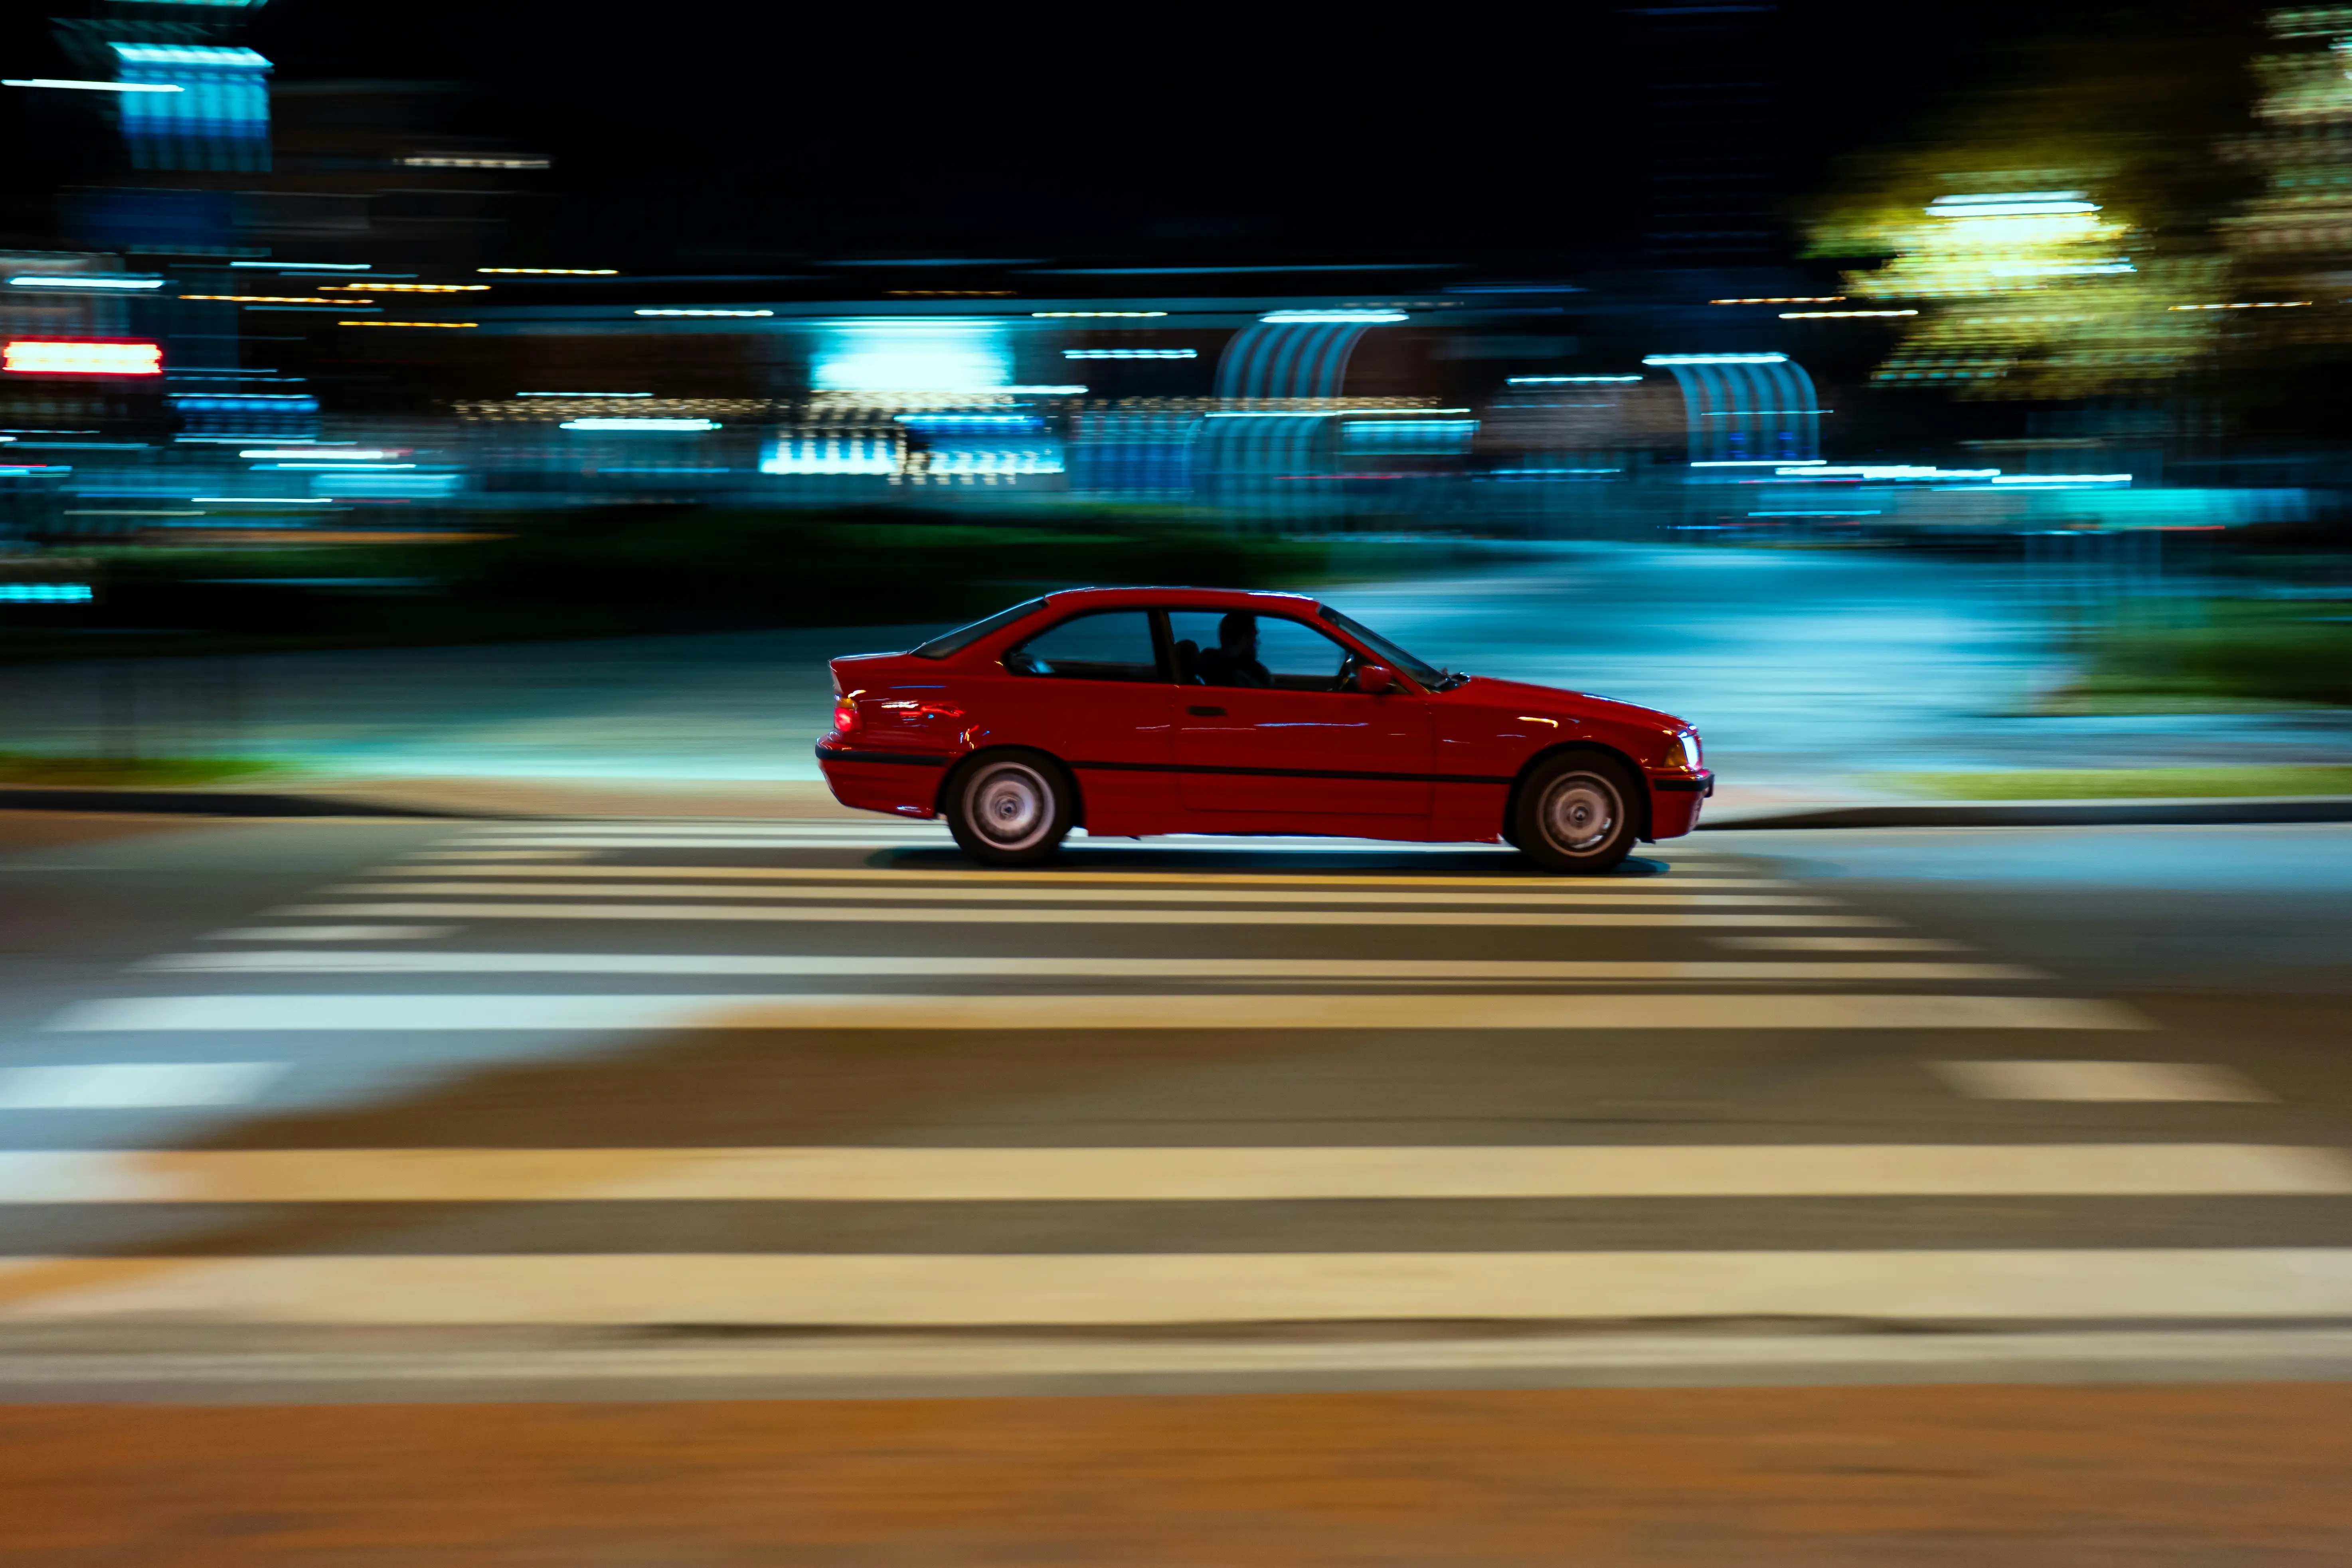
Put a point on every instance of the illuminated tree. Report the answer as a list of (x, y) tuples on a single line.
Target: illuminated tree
[(2077, 260), (2025, 286), (2293, 241)]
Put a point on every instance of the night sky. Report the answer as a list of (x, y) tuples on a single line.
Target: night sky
[(718, 135)]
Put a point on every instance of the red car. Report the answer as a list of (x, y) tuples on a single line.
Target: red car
[(1137, 711)]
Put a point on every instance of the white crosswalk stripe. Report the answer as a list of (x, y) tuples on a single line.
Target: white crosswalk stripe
[(1363, 971), (1013, 893), (856, 1010), (957, 914), (1156, 887), (1153, 1175), (1116, 950), (1142, 1289)]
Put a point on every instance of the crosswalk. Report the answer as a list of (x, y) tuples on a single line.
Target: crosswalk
[(828, 1076)]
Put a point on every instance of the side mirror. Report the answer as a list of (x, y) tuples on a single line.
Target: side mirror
[(1374, 679)]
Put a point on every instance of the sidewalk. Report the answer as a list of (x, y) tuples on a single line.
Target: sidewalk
[(1839, 1478), (1815, 678)]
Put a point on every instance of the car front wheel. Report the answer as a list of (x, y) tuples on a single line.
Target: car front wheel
[(1010, 808), (1576, 814)]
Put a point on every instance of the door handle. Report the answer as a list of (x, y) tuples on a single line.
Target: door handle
[(1206, 713)]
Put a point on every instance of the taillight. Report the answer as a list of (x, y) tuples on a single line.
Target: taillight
[(844, 715)]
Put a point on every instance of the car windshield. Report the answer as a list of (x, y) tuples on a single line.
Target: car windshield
[(963, 637), (1425, 673)]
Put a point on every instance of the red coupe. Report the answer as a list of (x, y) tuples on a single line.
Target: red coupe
[(1137, 711)]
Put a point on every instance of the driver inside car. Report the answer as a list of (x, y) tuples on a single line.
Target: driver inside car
[(1234, 661)]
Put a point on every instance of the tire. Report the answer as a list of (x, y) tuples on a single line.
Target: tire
[(1576, 814), (1010, 808)]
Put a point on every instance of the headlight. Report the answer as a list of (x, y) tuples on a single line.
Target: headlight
[(1683, 752)]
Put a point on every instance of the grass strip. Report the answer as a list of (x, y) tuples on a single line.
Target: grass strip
[(2128, 783), (55, 772)]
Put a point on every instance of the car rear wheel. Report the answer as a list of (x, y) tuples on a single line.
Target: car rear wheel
[(1010, 808), (1576, 814)]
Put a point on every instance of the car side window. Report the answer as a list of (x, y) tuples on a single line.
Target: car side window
[(1240, 649), (1108, 645)]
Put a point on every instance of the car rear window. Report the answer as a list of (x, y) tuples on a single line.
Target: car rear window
[(963, 637)]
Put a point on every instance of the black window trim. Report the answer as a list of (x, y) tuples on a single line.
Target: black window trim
[(971, 633)]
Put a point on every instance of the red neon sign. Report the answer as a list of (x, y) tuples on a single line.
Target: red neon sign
[(34, 357)]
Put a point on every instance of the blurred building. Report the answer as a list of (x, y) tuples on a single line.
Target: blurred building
[(312, 310), (1713, 134)]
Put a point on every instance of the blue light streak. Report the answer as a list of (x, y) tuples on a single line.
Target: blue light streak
[(67, 280), (90, 86), (619, 422)]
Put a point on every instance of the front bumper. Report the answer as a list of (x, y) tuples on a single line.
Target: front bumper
[(1674, 802)]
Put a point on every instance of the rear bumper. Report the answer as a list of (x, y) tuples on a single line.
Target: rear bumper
[(904, 784), (1674, 802)]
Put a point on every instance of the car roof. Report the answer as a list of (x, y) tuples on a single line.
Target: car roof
[(1186, 599)]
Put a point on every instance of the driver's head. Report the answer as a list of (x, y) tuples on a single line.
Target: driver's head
[(1237, 633)]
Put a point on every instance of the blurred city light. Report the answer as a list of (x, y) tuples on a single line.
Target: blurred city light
[(31, 356), (2014, 204), (835, 454), (80, 280), (930, 355), (279, 299), (1365, 316), (92, 86), (650, 423), (220, 119), (477, 163), (317, 451)]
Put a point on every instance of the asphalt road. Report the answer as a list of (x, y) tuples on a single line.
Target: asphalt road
[(315, 1112)]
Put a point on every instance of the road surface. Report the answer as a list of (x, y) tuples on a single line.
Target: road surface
[(674, 1191)]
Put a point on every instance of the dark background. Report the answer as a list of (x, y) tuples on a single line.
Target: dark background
[(716, 134)]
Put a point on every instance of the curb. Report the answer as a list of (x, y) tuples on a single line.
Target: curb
[(211, 803), (2185, 813)]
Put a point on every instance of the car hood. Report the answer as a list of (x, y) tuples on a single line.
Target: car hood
[(1550, 701)]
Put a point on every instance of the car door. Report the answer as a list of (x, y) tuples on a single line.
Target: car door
[(1091, 690), (1305, 742)]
